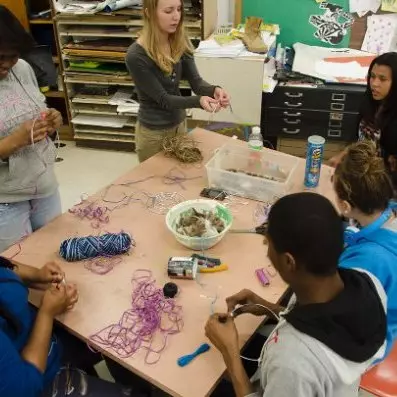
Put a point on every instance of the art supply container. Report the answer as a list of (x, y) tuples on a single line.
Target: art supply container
[(314, 159), (231, 169)]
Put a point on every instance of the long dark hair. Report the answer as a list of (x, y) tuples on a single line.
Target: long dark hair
[(13, 37), (370, 108)]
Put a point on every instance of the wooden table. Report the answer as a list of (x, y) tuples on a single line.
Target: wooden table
[(104, 298)]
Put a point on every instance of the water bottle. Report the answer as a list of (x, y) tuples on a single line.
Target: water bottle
[(255, 140)]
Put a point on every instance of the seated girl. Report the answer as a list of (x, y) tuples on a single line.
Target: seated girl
[(364, 193)]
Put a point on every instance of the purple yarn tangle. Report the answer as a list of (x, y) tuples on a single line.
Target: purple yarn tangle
[(148, 323)]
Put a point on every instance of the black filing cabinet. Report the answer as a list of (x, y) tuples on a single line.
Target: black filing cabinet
[(297, 112)]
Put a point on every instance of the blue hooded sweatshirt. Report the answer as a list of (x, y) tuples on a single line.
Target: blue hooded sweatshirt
[(19, 378), (376, 253)]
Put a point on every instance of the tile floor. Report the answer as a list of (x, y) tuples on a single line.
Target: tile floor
[(88, 170)]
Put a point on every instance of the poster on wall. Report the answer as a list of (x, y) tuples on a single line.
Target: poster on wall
[(333, 24), (293, 19), (389, 5)]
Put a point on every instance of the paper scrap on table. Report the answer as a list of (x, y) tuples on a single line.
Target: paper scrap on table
[(389, 5), (101, 121), (381, 35), (362, 7)]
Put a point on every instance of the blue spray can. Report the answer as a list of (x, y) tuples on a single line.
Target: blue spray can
[(314, 159)]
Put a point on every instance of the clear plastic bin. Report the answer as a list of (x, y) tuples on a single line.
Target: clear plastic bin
[(260, 175)]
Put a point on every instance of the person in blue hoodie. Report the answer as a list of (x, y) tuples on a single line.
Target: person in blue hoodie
[(365, 196), (32, 350)]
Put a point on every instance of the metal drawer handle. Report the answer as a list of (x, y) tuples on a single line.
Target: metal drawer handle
[(297, 114), (292, 121), (293, 105), (337, 106), (294, 132), (334, 133), (338, 97), (297, 95)]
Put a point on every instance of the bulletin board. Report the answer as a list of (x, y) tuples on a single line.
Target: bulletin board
[(293, 18)]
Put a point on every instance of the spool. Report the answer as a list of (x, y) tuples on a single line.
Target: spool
[(170, 290)]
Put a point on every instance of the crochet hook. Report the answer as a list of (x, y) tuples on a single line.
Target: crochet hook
[(185, 360)]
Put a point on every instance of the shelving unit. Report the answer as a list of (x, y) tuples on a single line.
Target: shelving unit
[(103, 40), (44, 32)]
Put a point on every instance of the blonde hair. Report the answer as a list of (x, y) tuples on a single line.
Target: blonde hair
[(179, 41), (362, 180)]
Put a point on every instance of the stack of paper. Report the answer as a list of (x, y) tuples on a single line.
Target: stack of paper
[(211, 48), (92, 7), (381, 35), (124, 102), (101, 121), (75, 7), (343, 65)]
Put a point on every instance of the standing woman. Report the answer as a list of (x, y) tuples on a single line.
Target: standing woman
[(157, 61), (29, 196), (378, 114)]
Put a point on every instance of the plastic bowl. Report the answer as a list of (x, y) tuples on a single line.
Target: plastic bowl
[(198, 243)]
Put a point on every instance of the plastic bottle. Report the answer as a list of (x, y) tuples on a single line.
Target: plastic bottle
[(255, 140)]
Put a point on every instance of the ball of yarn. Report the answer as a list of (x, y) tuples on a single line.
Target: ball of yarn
[(109, 244)]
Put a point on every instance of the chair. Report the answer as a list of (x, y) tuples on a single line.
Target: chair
[(382, 379)]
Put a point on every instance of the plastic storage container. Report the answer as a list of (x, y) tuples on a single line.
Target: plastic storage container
[(264, 178)]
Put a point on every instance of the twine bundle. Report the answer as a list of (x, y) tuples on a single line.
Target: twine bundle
[(182, 148)]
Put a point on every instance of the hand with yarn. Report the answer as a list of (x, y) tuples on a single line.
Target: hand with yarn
[(50, 273), (31, 129), (244, 297), (223, 335), (222, 97), (54, 118), (58, 299), (209, 104)]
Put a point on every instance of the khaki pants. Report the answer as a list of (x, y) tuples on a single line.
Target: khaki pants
[(149, 142)]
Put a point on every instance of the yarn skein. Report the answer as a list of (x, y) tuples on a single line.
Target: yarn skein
[(109, 244)]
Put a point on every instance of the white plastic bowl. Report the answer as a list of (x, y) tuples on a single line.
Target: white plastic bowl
[(198, 243)]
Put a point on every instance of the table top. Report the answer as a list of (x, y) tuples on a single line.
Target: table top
[(103, 298)]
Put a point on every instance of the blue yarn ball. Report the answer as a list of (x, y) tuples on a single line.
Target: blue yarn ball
[(109, 244)]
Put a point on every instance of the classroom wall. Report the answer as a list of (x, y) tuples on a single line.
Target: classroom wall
[(225, 15)]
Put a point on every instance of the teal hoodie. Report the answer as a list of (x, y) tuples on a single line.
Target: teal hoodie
[(377, 254)]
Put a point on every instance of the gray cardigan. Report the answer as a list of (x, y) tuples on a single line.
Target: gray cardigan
[(161, 103), (29, 172)]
